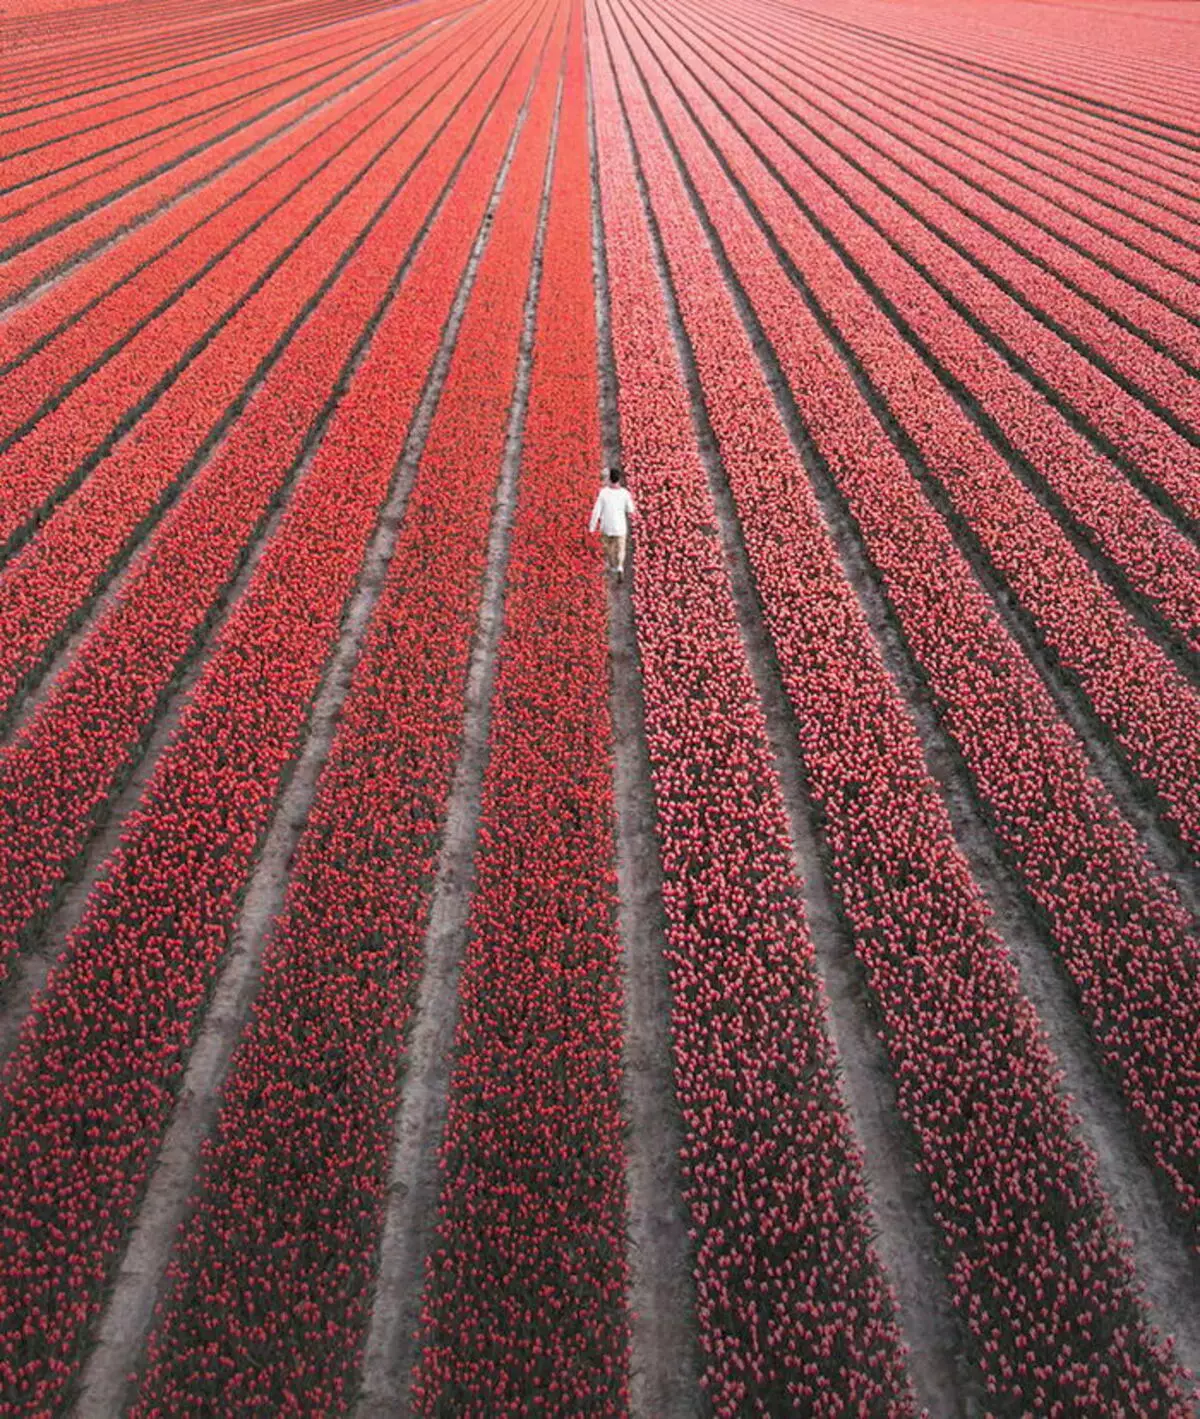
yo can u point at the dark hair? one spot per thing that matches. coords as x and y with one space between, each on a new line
614 474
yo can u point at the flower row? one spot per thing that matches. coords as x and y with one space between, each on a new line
858 150
58 774
211 339
1015 1198
1121 931
524 1310
1144 700
173 245
300 1156
794 1314
89 1090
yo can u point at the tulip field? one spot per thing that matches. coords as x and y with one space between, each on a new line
439 978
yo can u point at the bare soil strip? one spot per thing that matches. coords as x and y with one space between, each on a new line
900 1210
125 1323
1166 1269
411 1214
665 1356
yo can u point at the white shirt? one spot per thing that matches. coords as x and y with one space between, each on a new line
613 507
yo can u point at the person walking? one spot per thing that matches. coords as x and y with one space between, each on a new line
611 513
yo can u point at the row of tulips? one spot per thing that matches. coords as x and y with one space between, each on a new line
89 1090
87 216
1153 301
1139 211
72 139
524 1310
59 772
166 258
1121 931
140 51
1148 705
1014 1195
174 241
286 1224
51 582
168 369
793 1312
1035 119
1101 86
1073 345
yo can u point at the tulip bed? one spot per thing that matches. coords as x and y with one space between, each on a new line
182 374
51 583
47 376
1064 179
153 43
1161 98
524 1308
158 924
61 99
892 314
50 178
793 1313
1148 705
1000 124
290 1204
1017 123
1031 775
949 1000
1022 310
73 229
150 263
65 153
1101 88
104 702
68 142
1148 221
1078 264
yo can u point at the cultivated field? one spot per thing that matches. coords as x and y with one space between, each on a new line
438 981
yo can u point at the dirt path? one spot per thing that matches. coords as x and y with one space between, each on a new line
666 1363
898 1201
411 1215
125 1323
1166 1270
